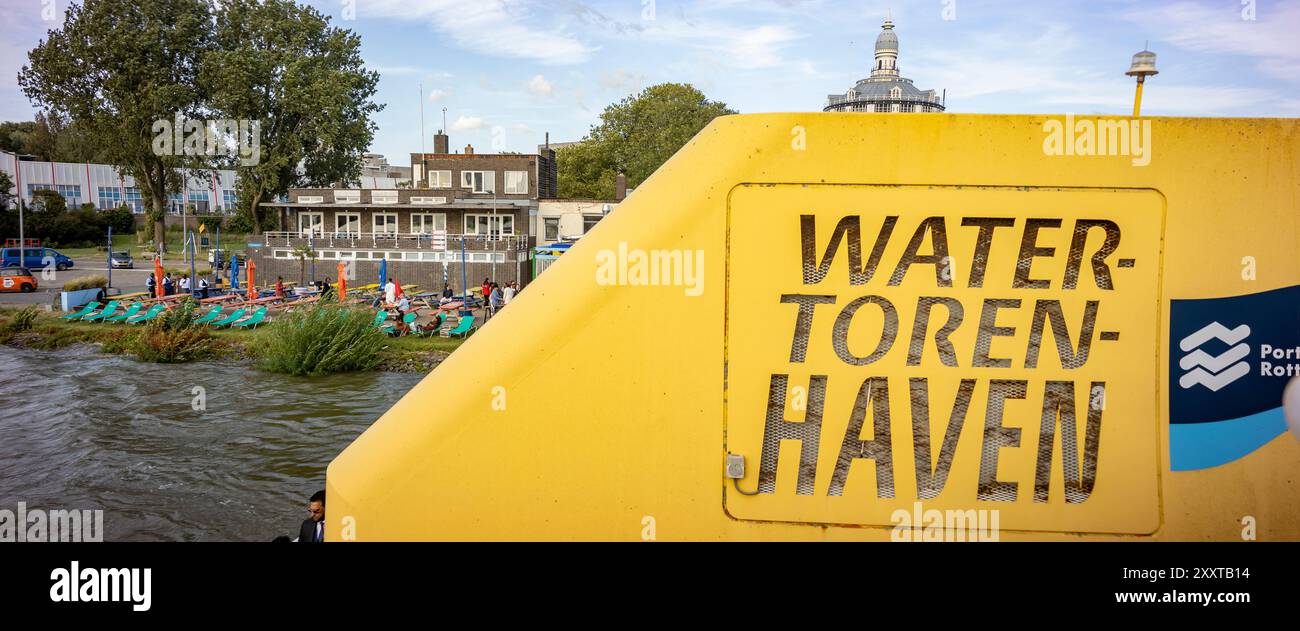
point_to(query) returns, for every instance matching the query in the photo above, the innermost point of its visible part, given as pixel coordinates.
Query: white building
(206, 191)
(885, 90)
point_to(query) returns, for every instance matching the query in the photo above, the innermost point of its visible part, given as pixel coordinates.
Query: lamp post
(1144, 65)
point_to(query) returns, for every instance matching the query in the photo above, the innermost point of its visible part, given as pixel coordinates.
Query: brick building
(468, 216)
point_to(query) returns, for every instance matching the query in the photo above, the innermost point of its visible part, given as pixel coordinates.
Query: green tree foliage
(174, 337)
(635, 137)
(280, 63)
(114, 69)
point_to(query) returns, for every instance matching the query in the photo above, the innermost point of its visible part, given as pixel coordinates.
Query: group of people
(495, 296)
(183, 285)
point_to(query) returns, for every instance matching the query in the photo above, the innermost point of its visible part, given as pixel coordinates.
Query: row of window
(516, 182)
(114, 196)
(349, 224)
(551, 226)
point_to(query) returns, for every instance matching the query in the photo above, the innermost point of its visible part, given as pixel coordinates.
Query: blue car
(35, 258)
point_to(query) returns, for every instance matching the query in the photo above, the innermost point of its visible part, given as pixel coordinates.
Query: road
(51, 281)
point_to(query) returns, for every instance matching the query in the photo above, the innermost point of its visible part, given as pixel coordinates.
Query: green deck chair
(438, 318)
(148, 315)
(233, 317)
(380, 318)
(212, 314)
(463, 327)
(108, 310)
(253, 320)
(85, 311)
(130, 312)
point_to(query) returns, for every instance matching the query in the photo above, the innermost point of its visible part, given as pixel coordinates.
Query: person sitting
(403, 304)
(447, 295)
(434, 326)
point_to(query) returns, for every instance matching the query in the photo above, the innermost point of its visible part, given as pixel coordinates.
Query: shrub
(326, 338)
(86, 282)
(173, 337)
(23, 319)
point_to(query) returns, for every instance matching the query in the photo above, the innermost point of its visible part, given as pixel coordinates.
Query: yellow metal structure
(884, 316)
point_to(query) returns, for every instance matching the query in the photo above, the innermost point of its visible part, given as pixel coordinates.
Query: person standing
(185, 284)
(150, 284)
(279, 286)
(203, 287)
(168, 285)
(313, 528)
(508, 294)
(496, 298)
(390, 292)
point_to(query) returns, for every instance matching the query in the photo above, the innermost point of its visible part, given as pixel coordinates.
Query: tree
(114, 70)
(635, 137)
(303, 252)
(284, 65)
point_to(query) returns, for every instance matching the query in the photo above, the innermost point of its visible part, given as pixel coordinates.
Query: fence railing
(397, 241)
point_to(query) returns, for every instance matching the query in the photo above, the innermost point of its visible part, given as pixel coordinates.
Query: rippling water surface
(80, 430)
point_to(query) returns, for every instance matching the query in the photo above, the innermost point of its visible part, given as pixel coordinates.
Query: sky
(509, 71)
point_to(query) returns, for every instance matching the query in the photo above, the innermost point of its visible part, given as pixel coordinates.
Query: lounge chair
(253, 320)
(408, 319)
(130, 312)
(463, 328)
(85, 311)
(148, 315)
(230, 319)
(438, 319)
(212, 314)
(380, 318)
(108, 310)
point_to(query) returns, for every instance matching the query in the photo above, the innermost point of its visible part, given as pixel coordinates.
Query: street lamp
(1144, 65)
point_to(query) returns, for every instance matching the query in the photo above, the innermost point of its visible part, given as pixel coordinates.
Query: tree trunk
(160, 226)
(256, 213)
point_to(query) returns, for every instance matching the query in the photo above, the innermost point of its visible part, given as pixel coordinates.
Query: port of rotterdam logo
(1229, 361)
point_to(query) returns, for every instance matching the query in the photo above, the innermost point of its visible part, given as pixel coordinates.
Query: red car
(17, 279)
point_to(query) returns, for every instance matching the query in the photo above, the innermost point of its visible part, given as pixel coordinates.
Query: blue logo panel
(1229, 360)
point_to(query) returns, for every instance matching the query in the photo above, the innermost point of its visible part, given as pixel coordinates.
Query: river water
(81, 430)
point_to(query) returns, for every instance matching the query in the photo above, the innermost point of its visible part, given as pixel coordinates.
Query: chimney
(620, 187)
(441, 143)
(469, 150)
(548, 140)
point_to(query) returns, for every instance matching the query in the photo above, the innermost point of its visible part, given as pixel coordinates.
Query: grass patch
(86, 282)
(327, 338)
(173, 337)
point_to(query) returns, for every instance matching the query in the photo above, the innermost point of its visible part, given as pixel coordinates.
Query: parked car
(35, 258)
(122, 260)
(17, 279)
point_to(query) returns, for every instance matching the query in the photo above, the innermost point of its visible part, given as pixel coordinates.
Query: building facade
(468, 216)
(885, 90)
(206, 191)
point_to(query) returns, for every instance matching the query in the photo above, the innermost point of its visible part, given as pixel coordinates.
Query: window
(347, 224)
(198, 201)
(227, 199)
(895, 92)
(385, 223)
(428, 201)
(589, 222)
(428, 223)
(517, 182)
(478, 181)
(347, 197)
(490, 225)
(383, 197)
(71, 192)
(133, 199)
(551, 228)
(311, 224)
(110, 197)
(439, 179)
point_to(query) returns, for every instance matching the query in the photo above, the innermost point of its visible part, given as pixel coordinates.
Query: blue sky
(510, 70)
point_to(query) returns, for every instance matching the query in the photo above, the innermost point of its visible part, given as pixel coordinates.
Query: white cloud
(467, 123)
(437, 95)
(539, 86)
(623, 80)
(1219, 28)
(497, 28)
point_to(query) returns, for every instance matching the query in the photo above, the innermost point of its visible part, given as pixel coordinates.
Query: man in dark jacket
(313, 528)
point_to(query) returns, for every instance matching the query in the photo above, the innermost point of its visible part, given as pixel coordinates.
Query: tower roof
(888, 39)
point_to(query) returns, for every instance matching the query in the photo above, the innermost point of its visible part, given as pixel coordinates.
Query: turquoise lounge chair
(108, 310)
(408, 319)
(212, 314)
(437, 319)
(230, 319)
(148, 315)
(253, 320)
(463, 328)
(130, 312)
(85, 311)
(380, 318)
